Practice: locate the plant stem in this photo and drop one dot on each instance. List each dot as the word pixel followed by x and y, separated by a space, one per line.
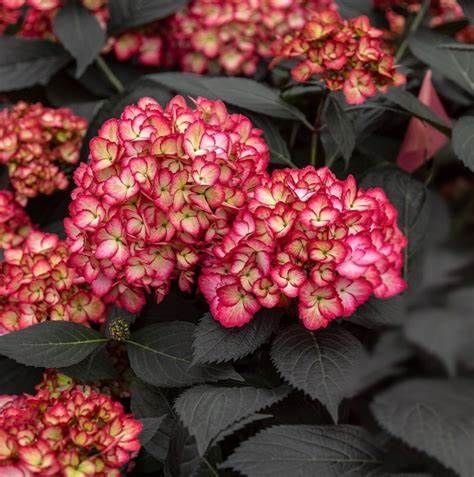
pixel 210 467
pixel 114 81
pixel 315 133
pixel 412 29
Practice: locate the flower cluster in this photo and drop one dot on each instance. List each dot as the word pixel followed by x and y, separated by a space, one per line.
pixel 440 11
pixel 234 35
pixel 15 224
pixel 347 55
pixel 37 15
pixel 161 184
pixel 65 430
pixel 307 236
pixel 144 43
pixel 36 284
pixel 34 142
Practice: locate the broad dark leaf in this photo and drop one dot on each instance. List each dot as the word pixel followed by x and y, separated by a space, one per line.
pixel 125 14
pixel 80 33
pixel 147 401
pixel 390 350
pixel 411 198
pixel 158 446
pixel 279 152
pixel 463 140
pixel 208 412
pixel 51 344
pixel 354 8
pixel 329 451
pixel 95 367
pixel 468 8
pixel 377 313
pixel 447 333
pixel 215 344
pixel 151 426
pixel 162 355
pixel 323 364
pixel 454 63
pixel 434 416
pixel 413 105
pixel 24 63
pixel 16 378
pixel 339 126
pixel 243 92
pixel 183 458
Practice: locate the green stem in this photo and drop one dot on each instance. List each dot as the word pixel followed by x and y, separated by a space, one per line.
pixel 109 74
pixel 415 24
pixel 210 467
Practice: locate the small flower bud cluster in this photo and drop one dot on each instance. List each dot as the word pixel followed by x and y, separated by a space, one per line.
pixel 65 430
pixel 348 55
pixel 34 142
pixel 307 236
pixel 232 36
pixel 160 186
pixel 36 284
pixel 15 224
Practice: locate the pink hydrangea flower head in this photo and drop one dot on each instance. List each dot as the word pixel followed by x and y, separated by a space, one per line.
pixel 348 55
pixel 35 141
pixel 15 224
pixel 160 186
pixel 65 429
pixel 36 284
pixel 232 36
pixel 440 12
pixel 309 237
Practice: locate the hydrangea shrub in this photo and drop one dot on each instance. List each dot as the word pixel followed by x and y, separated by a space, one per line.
pixel 236 238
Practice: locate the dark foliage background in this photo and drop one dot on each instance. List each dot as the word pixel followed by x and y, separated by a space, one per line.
pixel 389 391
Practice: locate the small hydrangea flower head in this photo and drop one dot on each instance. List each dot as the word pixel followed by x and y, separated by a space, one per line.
pixel 440 12
pixel 65 430
pixel 15 224
pixel 36 284
pixel 309 237
pixel 232 36
pixel 160 186
pixel 348 55
pixel 35 141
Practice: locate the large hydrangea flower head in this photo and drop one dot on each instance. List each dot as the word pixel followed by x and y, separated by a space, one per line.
pixel 160 186
pixel 15 225
pixel 233 35
pixel 348 55
pixel 35 141
pixel 65 430
pixel 310 237
pixel 36 284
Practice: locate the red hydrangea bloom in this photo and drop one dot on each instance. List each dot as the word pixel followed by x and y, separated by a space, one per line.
pixel 145 45
pixel 65 430
pixel 348 55
pixel 233 35
pixel 37 20
pixel 34 142
pixel 308 236
pixel 440 11
pixel 15 224
pixel 160 185
pixel 36 284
